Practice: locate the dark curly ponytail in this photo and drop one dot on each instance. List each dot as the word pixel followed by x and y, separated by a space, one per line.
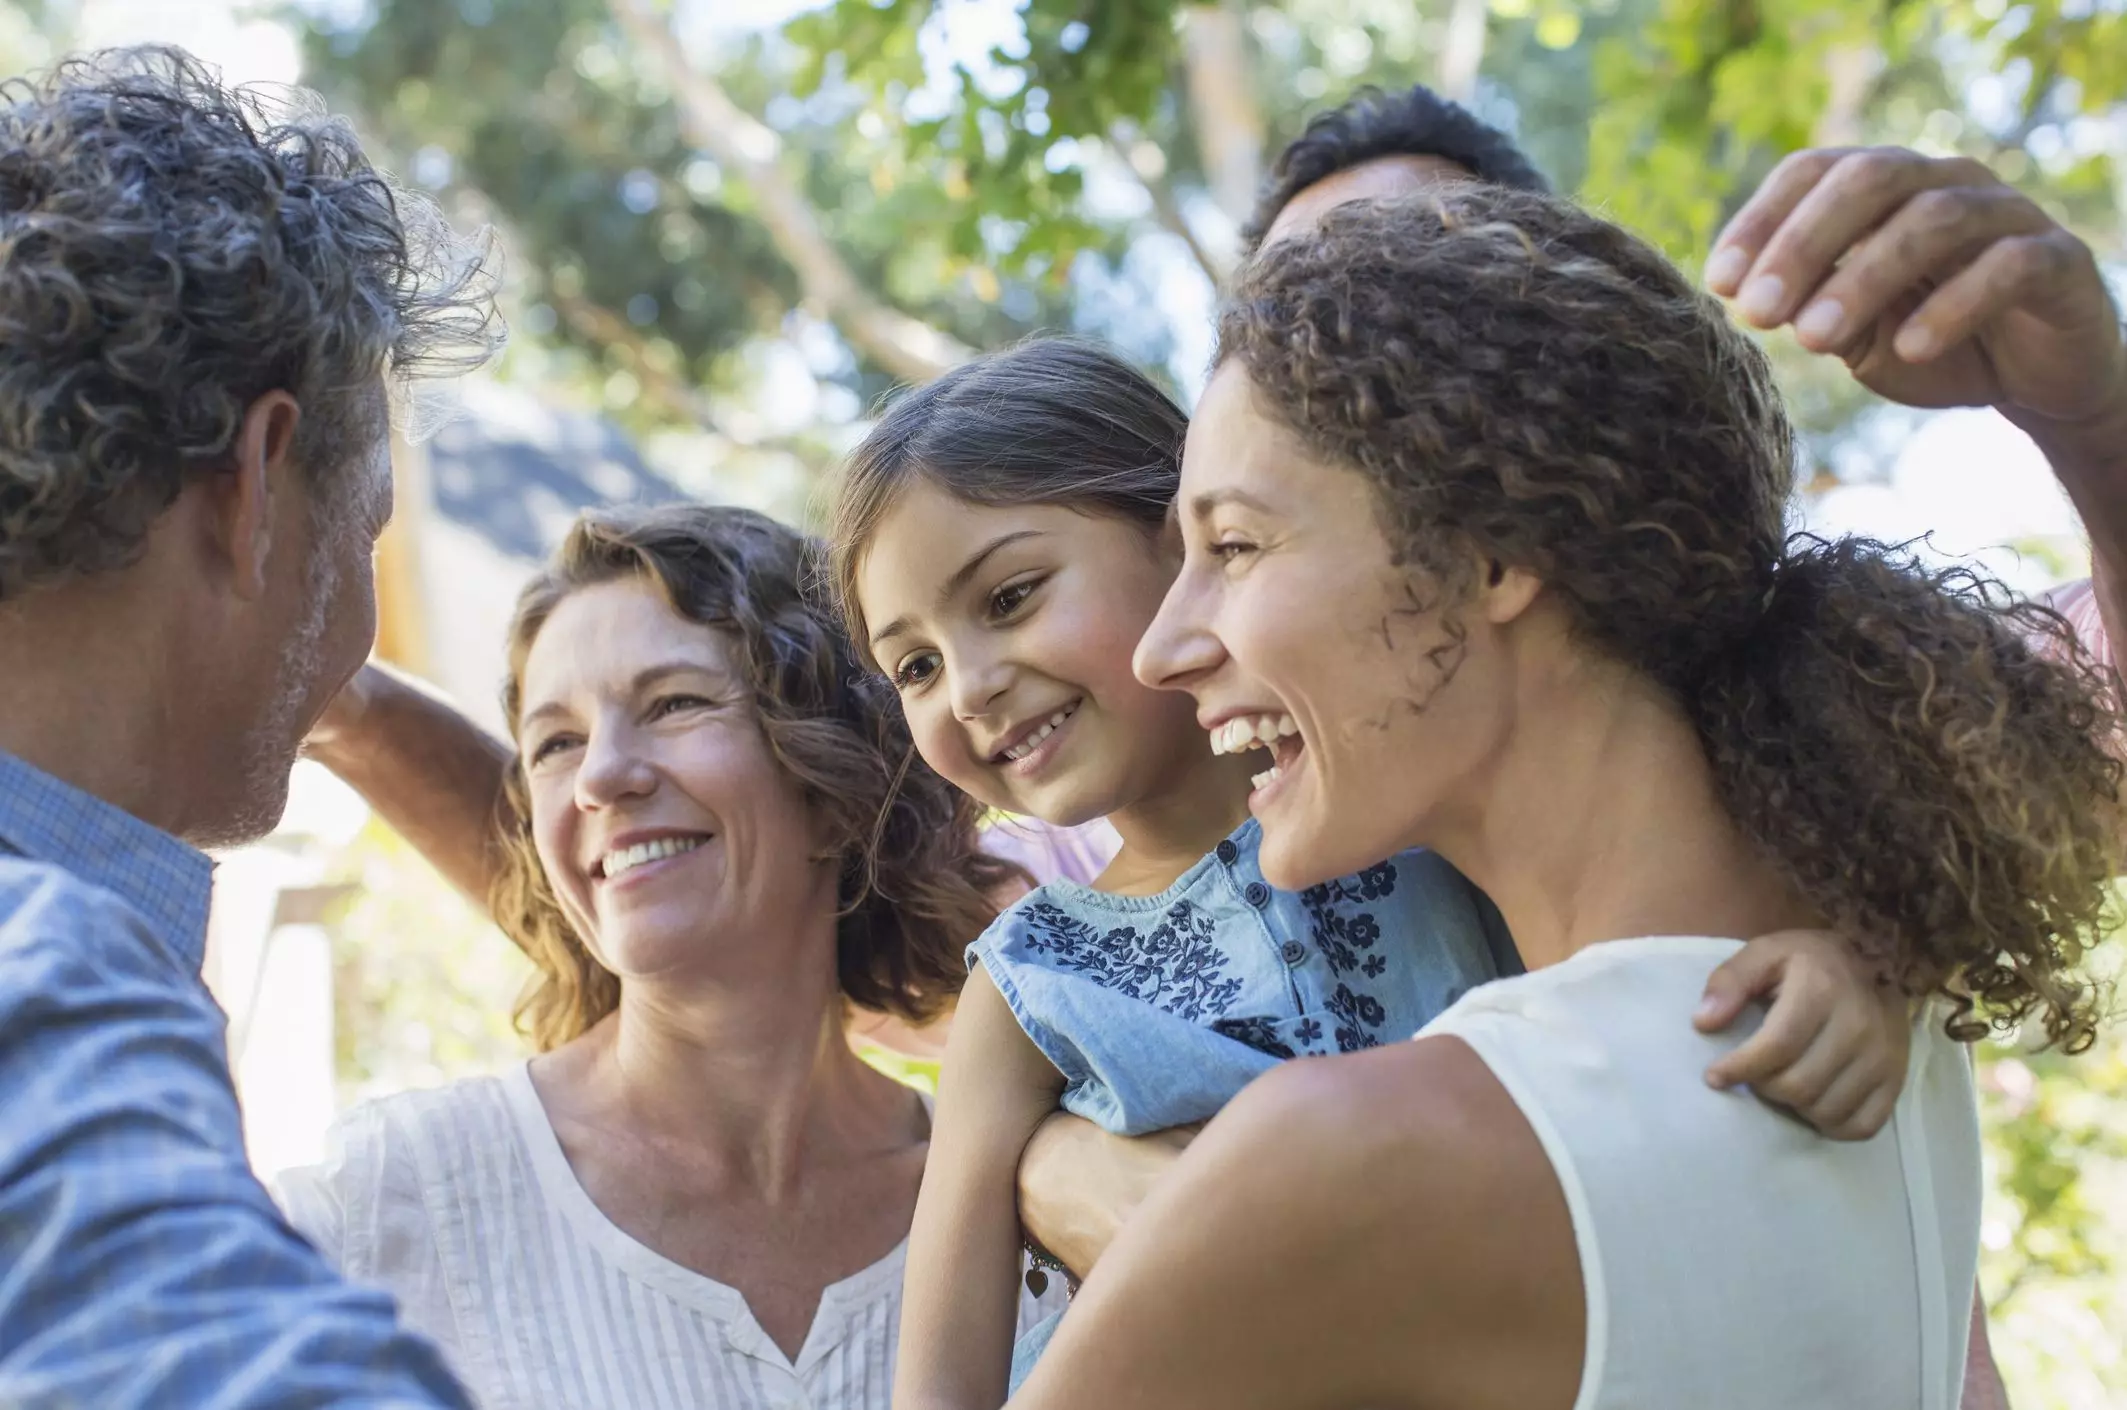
pixel 1515 375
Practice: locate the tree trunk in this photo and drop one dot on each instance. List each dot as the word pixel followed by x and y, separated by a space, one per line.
pixel 750 150
pixel 1462 55
pixel 1222 102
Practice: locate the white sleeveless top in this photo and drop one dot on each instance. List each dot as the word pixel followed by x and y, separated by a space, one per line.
pixel 460 1203
pixel 1731 1256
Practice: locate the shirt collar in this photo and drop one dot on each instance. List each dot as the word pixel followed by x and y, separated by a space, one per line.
pixel 168 882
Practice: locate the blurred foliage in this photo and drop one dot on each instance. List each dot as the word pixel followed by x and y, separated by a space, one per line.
pixel 2054 1262
pixel 991 177
pixel 630 244
pixel 920 1073
pixel 423 985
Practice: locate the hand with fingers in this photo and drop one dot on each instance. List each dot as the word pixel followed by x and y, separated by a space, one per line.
pixel 1938 283
pixel 1834 1043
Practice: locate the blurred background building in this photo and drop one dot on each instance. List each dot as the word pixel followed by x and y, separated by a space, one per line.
pixel 731 225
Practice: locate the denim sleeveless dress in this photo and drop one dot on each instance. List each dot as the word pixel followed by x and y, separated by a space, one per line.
pixel 1157 1010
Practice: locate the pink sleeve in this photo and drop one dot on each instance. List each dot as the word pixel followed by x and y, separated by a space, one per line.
pixel 2077 601
pixel 1077 854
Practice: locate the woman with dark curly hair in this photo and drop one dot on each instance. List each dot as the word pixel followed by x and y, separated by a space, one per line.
pixel 696 1194
pixel 1489 502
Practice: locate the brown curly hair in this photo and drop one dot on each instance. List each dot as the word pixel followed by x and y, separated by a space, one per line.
pixel 170 250
pixel 914 889
pixel 1518 377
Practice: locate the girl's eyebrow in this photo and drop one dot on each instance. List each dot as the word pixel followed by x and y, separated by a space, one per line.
pixel 958 580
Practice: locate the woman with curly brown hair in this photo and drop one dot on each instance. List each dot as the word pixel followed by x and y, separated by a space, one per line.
pixel 697 1193
pixel 1489 502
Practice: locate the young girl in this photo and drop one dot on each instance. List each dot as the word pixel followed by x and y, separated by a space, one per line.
pixel 1002 540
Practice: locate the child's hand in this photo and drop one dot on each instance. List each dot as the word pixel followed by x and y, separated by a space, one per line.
pixel 1834 1043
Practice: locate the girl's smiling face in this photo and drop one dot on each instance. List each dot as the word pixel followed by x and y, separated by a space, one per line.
pixel 1008 632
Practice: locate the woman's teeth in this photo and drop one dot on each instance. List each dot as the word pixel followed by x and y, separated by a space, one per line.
pixel 1243 733
pixel 1268 777
pixel 643 853
pixel 1033 741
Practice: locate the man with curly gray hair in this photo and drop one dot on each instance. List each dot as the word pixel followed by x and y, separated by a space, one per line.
pixel 205 299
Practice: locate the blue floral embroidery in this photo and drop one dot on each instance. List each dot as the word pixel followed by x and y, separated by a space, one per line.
pixel 1177 966
pixel 1346 936
pixel 1359 1017
pixel 1309 1030
pixel 1258 1033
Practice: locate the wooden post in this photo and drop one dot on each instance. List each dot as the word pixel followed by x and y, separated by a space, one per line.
pixel 402 608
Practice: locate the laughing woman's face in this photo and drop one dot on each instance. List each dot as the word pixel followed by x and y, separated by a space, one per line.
pixel 1375 697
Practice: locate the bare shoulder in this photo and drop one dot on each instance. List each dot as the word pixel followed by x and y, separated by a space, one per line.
pixel 1380 1229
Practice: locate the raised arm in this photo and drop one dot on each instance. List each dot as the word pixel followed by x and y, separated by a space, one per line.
pixel 961 1288
pixel 431 773
pixel 1941 285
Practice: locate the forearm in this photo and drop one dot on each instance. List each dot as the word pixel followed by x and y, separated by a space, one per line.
pixel 1079 1184
pixel 427 770
pixel 2090 460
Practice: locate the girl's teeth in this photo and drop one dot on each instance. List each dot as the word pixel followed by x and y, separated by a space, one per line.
pixel 1033 741
pixel 643 853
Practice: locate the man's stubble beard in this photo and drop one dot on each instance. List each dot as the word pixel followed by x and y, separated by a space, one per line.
pixel 272 743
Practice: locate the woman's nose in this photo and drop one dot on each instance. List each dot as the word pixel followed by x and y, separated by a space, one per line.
pixel 1179 648
pixel 614 767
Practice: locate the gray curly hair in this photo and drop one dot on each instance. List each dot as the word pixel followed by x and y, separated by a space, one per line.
pixel 171 249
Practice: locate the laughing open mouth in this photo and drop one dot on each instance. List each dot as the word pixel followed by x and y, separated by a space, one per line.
pixel 1276 733
pixel 1032 739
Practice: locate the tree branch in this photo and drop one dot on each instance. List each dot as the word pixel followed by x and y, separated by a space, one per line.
pixel 748 148
pixel 1168 212
pixel 602 326
pixel 1222 102
pixel 1125 142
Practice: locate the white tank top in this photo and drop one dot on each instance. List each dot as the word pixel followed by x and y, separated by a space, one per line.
pixel 1731 1256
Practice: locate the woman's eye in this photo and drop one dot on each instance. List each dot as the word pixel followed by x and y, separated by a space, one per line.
pixel 1226 550
pixel 1012 596
pixel 667 704
pixel 550 746
pixel 915 670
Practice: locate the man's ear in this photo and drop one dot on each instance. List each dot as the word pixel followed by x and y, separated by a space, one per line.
pixel 246 498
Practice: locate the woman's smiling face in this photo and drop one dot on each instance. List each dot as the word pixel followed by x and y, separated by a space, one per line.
pixel 663 821
pixel 1383 692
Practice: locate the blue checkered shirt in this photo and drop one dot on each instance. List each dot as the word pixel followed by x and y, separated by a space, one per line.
pixel 141 1264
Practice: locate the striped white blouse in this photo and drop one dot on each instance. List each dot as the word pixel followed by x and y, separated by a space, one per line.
pixel 460 1203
